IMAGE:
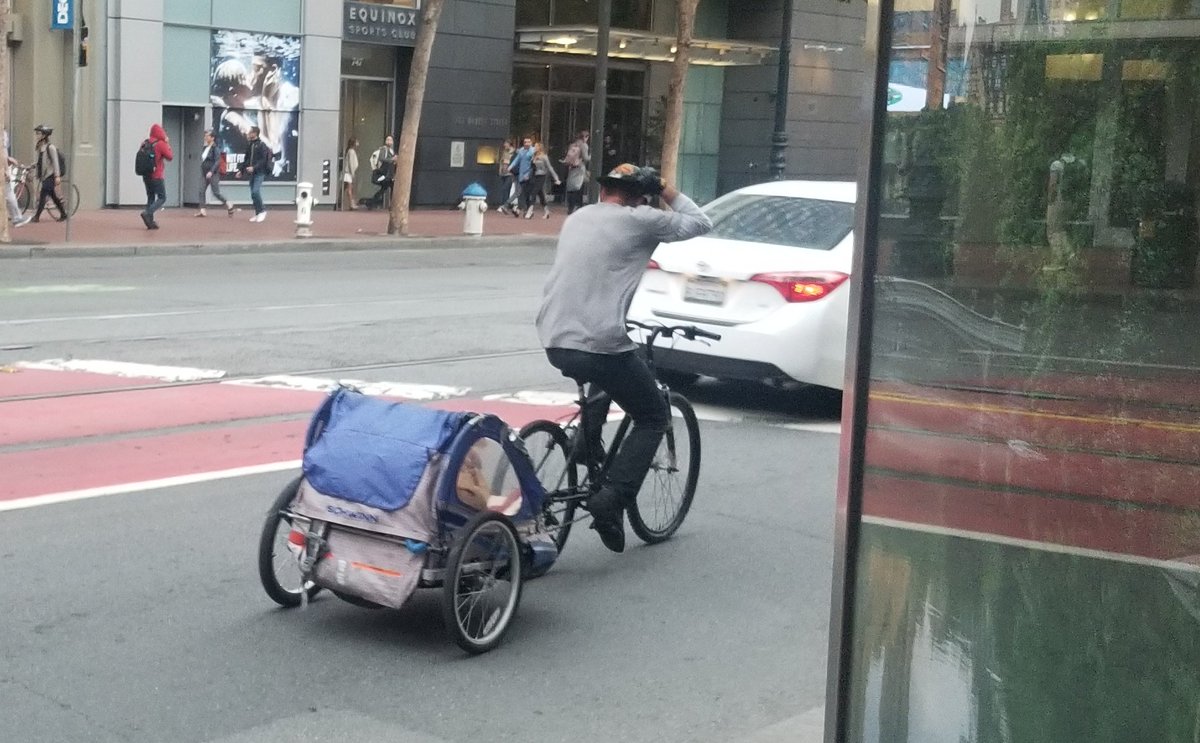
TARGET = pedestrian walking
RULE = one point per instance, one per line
(507, 193)
(49, 173)
(212, 166)
(577, 160)
(10, 193)
(349, 171)
(256, 163)
(521, 169)
(151, 165)
(383, 170)
(542, 170)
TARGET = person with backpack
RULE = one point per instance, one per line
(212, 167)
(577, 160)
(256, 163)
(151, 164)
(50, 167)
(383, 170)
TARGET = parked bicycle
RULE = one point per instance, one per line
(27, 188)
(560, 451)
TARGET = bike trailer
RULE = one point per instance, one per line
(390, 483)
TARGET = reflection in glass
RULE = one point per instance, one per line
(1029, 558)
(782, 220)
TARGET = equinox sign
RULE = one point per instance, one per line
(62, 14)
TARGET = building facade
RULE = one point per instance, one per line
(314, 73)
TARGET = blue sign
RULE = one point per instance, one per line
(62, 14)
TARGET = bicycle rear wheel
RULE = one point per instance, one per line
(546, 443)
(69, 193)
(667, 492)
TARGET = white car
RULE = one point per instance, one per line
(772, 278)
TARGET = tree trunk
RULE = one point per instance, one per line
(685, 20)
(5, 235)
(406, 150)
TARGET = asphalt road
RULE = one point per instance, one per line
(138, 616)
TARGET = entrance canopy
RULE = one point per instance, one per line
(626, 44)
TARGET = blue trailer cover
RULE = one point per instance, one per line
(374, 452)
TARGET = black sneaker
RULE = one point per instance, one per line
(608, 519)
(146, 220)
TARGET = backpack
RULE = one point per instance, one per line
(143, 163)
(62, 161)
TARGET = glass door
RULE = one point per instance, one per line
(367, 116)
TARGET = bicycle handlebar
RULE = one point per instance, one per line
(690, 332)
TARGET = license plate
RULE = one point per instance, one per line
(704, 291)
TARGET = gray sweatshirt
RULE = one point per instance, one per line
(602, 253)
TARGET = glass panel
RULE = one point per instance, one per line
(1028, 562)
(622, 133)
(366, 116)
(574, 13)
(572, 79)
(779, 220)
(369, 60)
(626, 82)
(531, 77)
(635, 14)
(533, 13)
(1159, 8)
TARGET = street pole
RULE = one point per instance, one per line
(73, 116)
(600, 97)
(779, 139)
(5, 235)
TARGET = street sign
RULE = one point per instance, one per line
(62, 15)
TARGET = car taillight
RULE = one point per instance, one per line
(803, 287)
(653, 266)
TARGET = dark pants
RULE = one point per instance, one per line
(213, 182)
(627, 380)
(505, 190)
(574, 200)
(156, 195)
(49, 192)
(527, 187)
(256, 181)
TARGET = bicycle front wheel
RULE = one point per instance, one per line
(666, 495)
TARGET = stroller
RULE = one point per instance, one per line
(394, 497)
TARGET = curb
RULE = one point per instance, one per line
(294, 245)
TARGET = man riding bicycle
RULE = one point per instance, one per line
(602, 253)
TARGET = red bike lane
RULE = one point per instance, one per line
(66, 435)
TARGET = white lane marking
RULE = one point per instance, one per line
(535, 397)
(831, 427)
(1187, 564)
(136, 487)
(238, 310)
(66, 289)
(417, 392)
(126, 369)
(710, 413)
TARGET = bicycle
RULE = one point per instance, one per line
(654, 516)
(27, 188)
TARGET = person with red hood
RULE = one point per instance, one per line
(156, 187)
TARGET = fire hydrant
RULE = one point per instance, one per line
(474, 206)
(305, 201)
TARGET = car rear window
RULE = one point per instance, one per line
(782, 220)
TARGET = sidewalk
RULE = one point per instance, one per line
(121, 232)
